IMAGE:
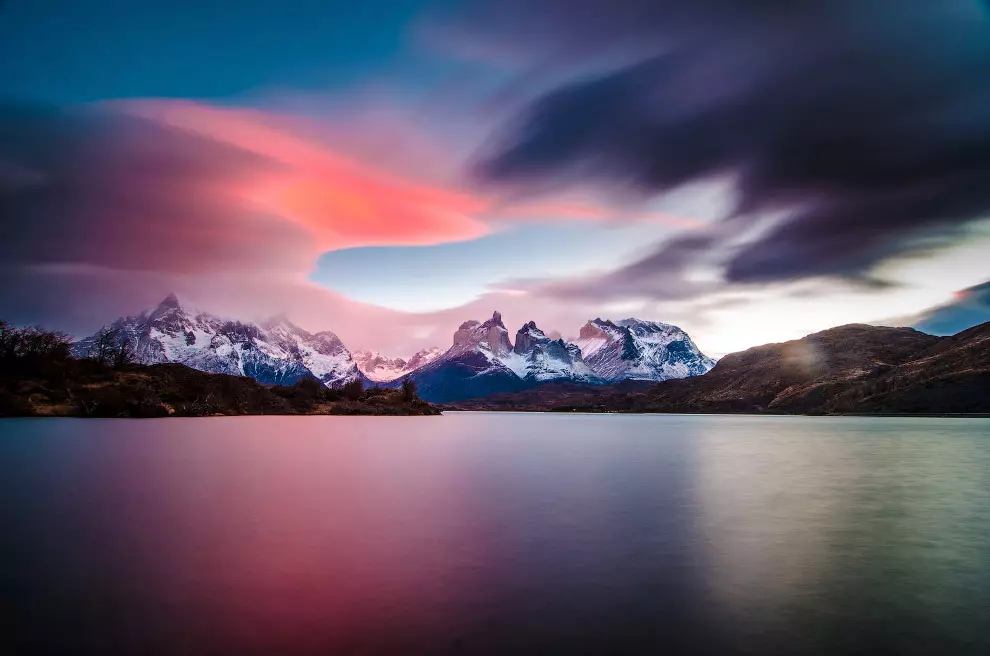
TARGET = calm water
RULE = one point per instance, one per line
(495, 533)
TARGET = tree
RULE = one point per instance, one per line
(123, 354)
(111, 348)
(409, 390)
(353, 390)
(10, 340)
(31, 351)
(44, 345)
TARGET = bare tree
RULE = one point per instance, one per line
(111, 348)
(35, 343)
(102, 348)
(10, 339)
(123, 354)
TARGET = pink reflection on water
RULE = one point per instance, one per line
(306, 546)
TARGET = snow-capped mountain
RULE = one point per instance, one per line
(483, 360)
(536, 357)
(276, 351)
(382, 369)
(633, 349)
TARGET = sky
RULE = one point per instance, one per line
(752, 171)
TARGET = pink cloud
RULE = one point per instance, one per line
(342, 201)
(338, 201)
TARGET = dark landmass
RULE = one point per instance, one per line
(40, 378)
(855, 369)
(82, 388)
(562, 396)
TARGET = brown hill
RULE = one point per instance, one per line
(849, 369)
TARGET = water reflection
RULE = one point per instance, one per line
(495, 534)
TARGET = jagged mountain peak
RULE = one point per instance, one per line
(528, 337)
(496, 320)
(169, 305)
(490, 336)
(173, 310)
(174, 301)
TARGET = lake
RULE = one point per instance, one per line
(496, 534)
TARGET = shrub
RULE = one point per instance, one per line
(353, 390)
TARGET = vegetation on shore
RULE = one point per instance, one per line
(39, 377)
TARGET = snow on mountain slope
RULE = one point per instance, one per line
(383, 369)
(591, 339)
(483, 361)
(633, 349)
(276, 351)
(537, 357)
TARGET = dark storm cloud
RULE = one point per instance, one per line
(865, 125)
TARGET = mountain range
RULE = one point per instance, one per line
(482, 359)
(274, 352)
(845, 370)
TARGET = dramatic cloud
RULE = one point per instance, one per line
(340, 201)
(861, 128)
(180, 186)
(107, 208)
(111, 207)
